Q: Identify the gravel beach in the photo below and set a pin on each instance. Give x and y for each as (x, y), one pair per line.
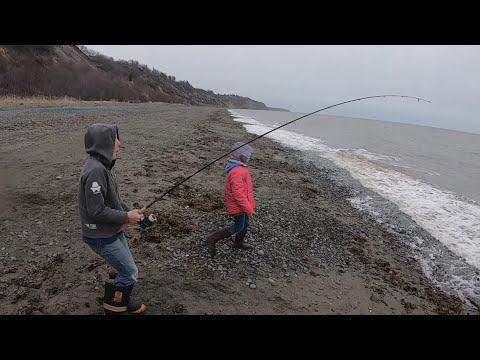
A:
(313, 252)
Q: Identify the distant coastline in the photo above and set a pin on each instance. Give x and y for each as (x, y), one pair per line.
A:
(277, 109)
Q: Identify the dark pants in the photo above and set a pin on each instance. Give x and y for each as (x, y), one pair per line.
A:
(241, 222)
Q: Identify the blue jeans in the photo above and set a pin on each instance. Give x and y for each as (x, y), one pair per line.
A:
(241, 222)
(116, 252)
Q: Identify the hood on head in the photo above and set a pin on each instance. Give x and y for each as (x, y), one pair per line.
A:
(100, 142)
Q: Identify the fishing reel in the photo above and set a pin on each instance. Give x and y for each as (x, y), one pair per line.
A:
(148, 221)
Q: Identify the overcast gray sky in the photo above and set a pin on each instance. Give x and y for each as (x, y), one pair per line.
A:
(306, 78)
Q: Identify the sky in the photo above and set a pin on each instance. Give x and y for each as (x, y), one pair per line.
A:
(305, 78)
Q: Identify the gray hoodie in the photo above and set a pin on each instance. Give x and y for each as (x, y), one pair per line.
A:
(102, 212)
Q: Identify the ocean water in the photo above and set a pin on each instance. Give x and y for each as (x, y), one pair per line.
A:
(430, 175)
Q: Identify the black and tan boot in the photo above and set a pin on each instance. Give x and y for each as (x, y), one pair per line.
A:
(213, 238)
(117, 300)
(240, 241)
(133, 307)
(114, 301)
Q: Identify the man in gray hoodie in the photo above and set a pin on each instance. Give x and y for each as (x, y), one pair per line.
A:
(103, 214)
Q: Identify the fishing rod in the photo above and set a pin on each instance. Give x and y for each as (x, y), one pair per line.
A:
(258, 137)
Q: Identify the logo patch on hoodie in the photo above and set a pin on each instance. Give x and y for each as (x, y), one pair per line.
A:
(95, 188)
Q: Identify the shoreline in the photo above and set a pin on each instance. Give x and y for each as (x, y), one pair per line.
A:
(314, 253)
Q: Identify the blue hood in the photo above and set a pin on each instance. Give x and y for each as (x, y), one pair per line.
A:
(231, 164)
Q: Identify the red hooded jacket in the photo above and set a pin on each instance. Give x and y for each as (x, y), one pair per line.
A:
(239, 191)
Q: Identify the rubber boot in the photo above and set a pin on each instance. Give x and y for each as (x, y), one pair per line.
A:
(239, 241)
(117, 301)
(213, 238)
(133, 307)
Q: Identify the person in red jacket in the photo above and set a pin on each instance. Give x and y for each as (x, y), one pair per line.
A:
(239, 199)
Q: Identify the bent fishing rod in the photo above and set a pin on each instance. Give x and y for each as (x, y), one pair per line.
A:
(260, 136)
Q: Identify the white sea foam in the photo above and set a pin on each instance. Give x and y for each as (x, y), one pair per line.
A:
(452, 220)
